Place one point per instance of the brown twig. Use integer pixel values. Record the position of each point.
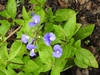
(12, 33)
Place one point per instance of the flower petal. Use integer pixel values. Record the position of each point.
(30, 46)
(36, 19)
(57, 55)
(24, 38)
(57, 48)
(46, 39)
(52, 36)
(31, 24)
(32, 53)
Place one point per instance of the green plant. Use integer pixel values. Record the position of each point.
(49, 41)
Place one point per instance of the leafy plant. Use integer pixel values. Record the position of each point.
(50, 42)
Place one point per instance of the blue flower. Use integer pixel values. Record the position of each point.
(48, 37)
(24, 38)
(31, 47)
(36, 20)
(57, 51)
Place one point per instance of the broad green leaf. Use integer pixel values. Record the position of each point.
(48, 27)
(70, 26)
(17, 60)
(49, 16)
(59, 32)
(2, 73)
(10, 71)
(11, 8)
(4, 51)
(84, 56)
(63, 14)
(77, 27)
(84, 32)
(20, 22)
(44, 68)
(25, 14)
(70, 63)
(80, 64)
(21, 73)
(16, 63)
(15, 49)
(30, 66)
(57, 69)
(42, 2)
(77, 44)
(5, 14)
(45, 53)
(5, 26)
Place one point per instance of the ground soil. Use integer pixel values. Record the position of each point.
(89, 13)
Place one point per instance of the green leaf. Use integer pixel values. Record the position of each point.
(4, 51)
(84, 32)
(44, 68)
(10, 71)
(11, 8)
(63, 14)
(16, 63)
(48, 27)
(21, 73)
(2, 73)
(85, 57)
(59, 32)
(17, 60)
(77, 27)
(4, 27)
(80, 64)
(20, 22)
(30, 66)
(4, 14)
(15, 49)
(42, 2)
(57, 69)
(45, 53)
(77, 44)
(25, 14)
(70, 26)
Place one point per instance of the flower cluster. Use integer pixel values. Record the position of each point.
(48, 37)
(29, 46)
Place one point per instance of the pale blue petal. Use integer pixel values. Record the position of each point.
(57, 48)
(31, 24)
(57, 55)
(30, 46)
(46, 39)
(52, 36)
(24, 38)
(36, 19)
(32, 53)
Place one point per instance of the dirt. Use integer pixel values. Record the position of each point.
(89, 13)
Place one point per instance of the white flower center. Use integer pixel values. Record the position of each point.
(33, 50)
(57, 52)
(51, 38)
(27, 37)
(36, 21)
